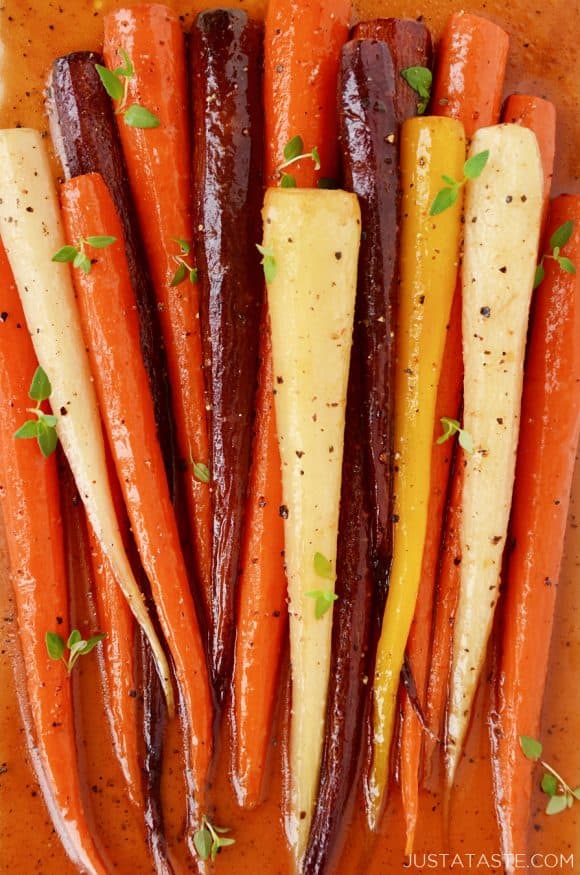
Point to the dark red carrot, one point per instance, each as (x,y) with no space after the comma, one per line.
(31,511)
(227,189)
(84,133)
(159,169)
(307,41)
(112,338)
(550,424)
(410,45)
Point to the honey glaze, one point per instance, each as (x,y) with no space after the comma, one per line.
(543,60)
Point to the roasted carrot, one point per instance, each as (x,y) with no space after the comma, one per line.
(227,190)
(32,233)
(468,86)
(31,511)
(309,111)
(471,65)
(497,279)
(311,302)
(112,338)
(367,119)
(158,164)
(546,455)
(85,137)
(119,676)
(539,116)
(410,45)
(302,54)
(430,147)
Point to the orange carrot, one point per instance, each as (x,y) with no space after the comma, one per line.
(302,48)
(116,620)
(107,311)
(158,163)
(31,511)
(468,85)
(550,424)
(469,78)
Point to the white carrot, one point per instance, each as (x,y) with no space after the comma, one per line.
(31,230)
(311,241)
(502,225)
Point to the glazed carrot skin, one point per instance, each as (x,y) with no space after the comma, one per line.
(472,58)
(540,116)
(84,133)
(31,511)
(410,45)
(369,160)
(302,57)
(227,191)
(158,165)
(546,456)
(309,100)
(112,337)
(468,86)
(116,620)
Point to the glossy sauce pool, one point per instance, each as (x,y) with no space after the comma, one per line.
(544,60)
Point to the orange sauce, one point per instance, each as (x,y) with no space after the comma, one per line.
(543,60)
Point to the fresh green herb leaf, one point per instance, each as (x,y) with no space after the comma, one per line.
(208,840)
(65,253)
(474,166)
(531,748)
(466,441)
(48,419)
(561,235)
(293,148)
(92,642)
(323,566)
(77,647)
(559,238)
(201,472)
(28,430)
(327,182)
(556,805)
(451,427)
(566,265)
(78,259)
(73,638)
(443,200)
(268,262)
(316,158)
(139,117)
(576,793)
(54,645)
(549,784)
(47,439)
(287,181)
(111,82)
(40,388)
(193,275)
(323,601)
(448,196)
(539,275)
(420,79)
(100,241)
(203,842)
(184,245)
(128,70)
(179,275)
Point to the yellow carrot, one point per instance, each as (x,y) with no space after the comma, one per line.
(430,148)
